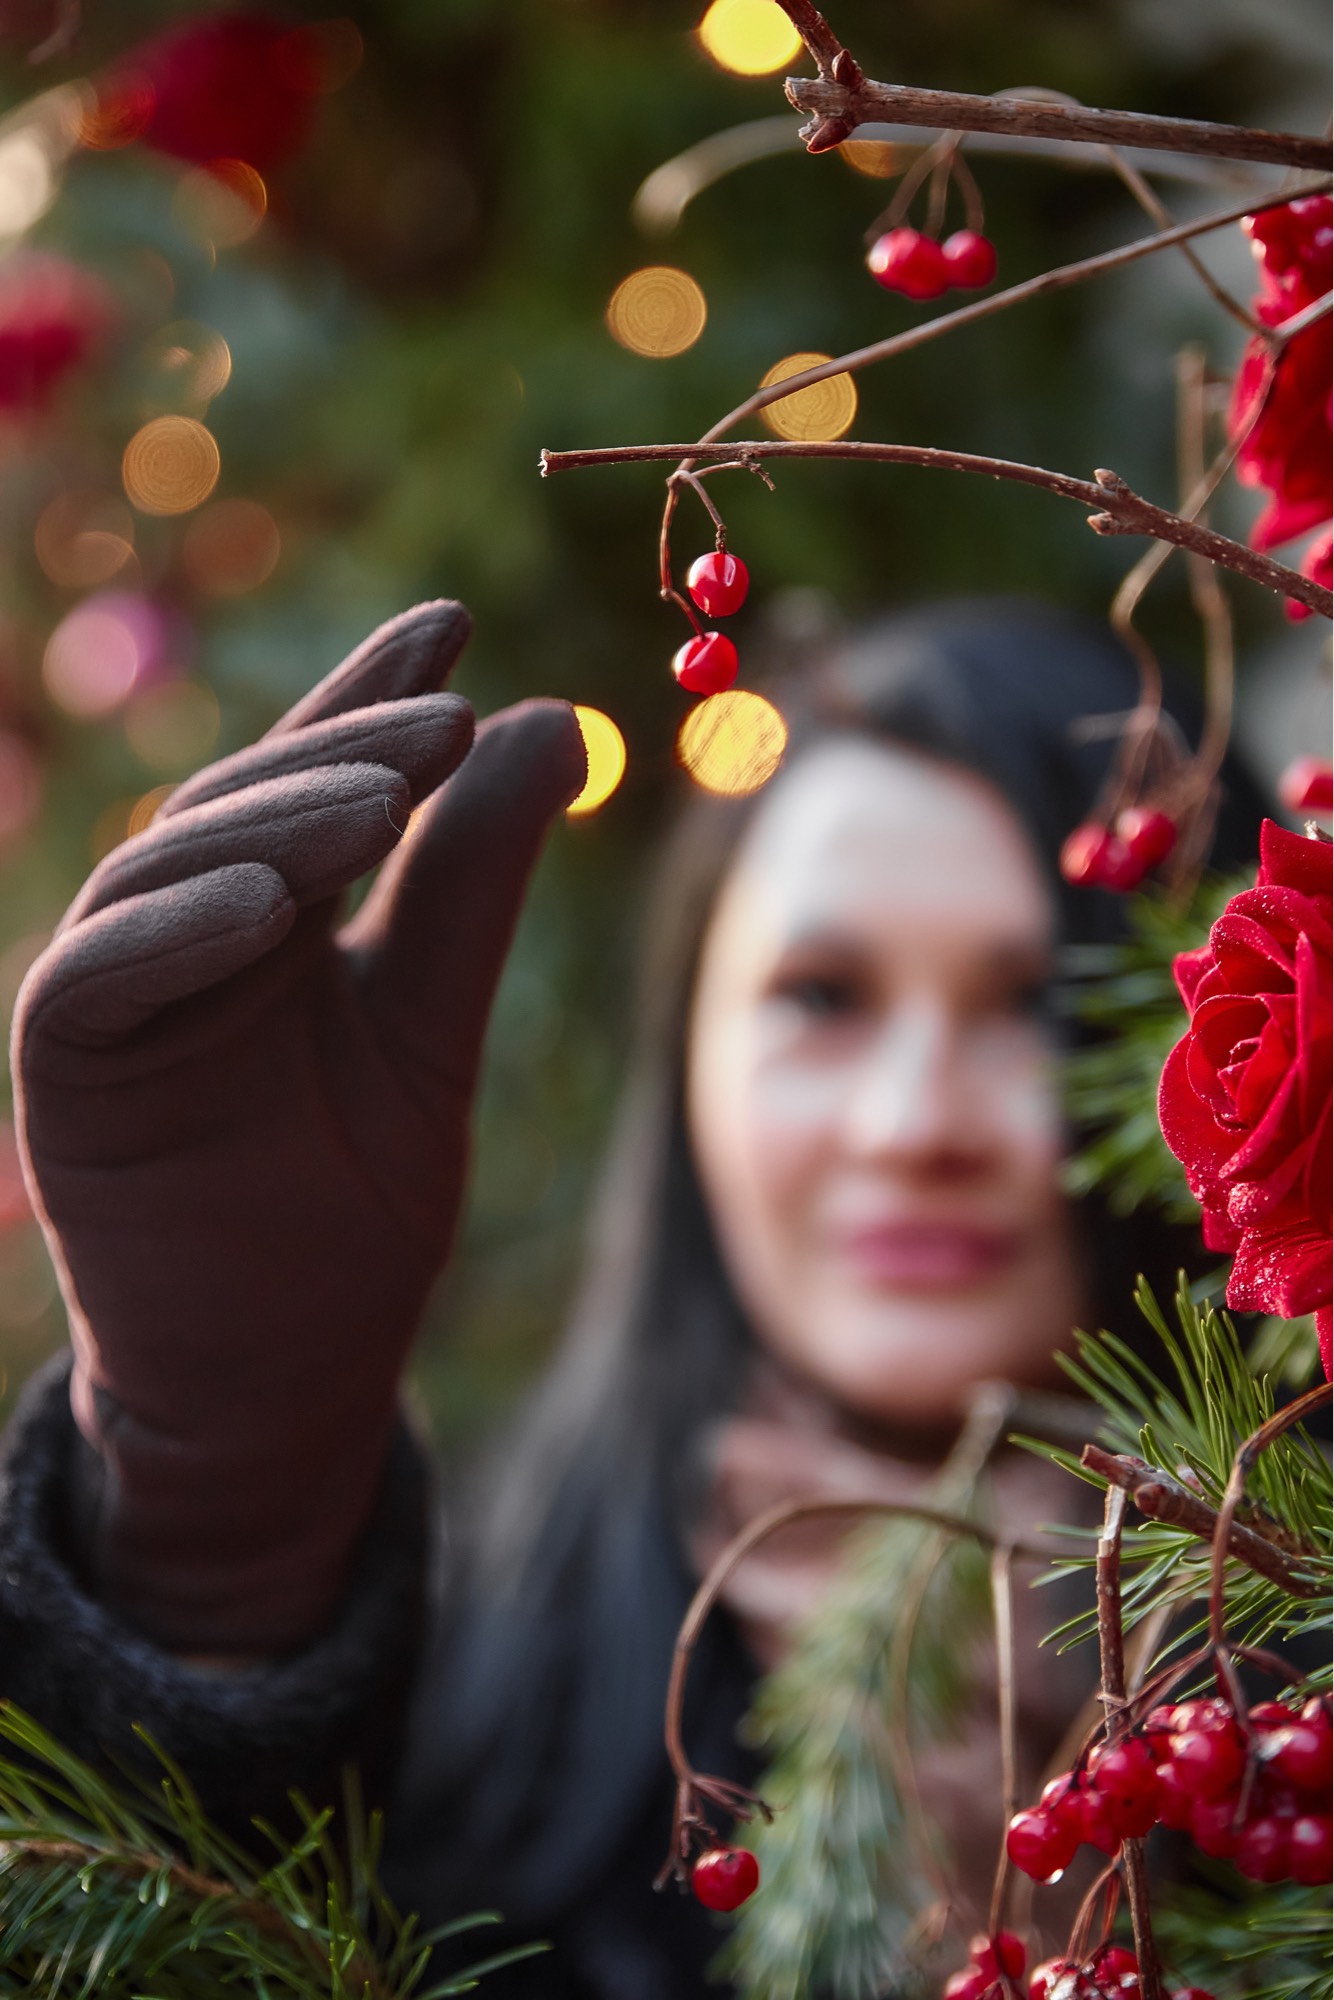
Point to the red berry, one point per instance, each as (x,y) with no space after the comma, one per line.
(1303,1752)
(1115,1973)
(1040,1844)
(1209,1762)
(718,583)
(1262,1849)
(1060,1798)
(1093,858)
(1212,1829)
(1004,1954)
(1096,1824)
(724,1877)
(1126,1778)
(1175,1802)
(1311,1849)
(970,1984)
(1265,1714)
(707,664)
(1149,835)
(970,259)
(1307,785)
(1043,1977)
(903,260)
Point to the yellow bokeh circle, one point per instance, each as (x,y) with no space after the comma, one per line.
(605,747)
(825,410)
(749,37)
(170,466)
(732,743)
(658,311)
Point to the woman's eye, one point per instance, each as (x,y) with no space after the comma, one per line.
(823,998)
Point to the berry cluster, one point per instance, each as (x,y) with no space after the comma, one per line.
(718,584)
(723,1878)
(996,1965)
(909,261)
(1259,1798)
(1100,857)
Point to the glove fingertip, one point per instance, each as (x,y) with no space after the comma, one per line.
(411,653)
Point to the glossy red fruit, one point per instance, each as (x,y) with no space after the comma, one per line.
(1175,1802)
(718,583)
(1043,1977)
(1150,835)
(1040,1844)
(1270,1714)
(1004,1953)
(706,664)
(1096,1824)
(1307,785)
(1212,1829)
(724,1877)
(1092,857)
(1311,1849)
(903,260)
(970,259)
(1126,1777)
(970,1984)
(1262,1849)
(1304,1753)
(1209,1762)
(1060,1798)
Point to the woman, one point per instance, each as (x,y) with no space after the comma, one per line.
(831,1211)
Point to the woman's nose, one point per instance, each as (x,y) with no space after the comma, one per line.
(911,1102)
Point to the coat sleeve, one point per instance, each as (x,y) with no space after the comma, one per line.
(245,1738)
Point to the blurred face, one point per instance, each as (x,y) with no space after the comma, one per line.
(869,1090)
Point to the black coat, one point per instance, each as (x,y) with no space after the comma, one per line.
(375,1690)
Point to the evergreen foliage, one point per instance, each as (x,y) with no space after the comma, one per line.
(127,1892)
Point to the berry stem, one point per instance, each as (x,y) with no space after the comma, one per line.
(1002,1610)
(1111,1648)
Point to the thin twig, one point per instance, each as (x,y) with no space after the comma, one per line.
(1002,1608)
(1111,1649)
(1120,511)
(1162,1498)
(842,98)
(1148,200)
(1247,1453)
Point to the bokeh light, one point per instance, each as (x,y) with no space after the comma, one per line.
(605,746)
(658,311)
(230,547)
(732,743)
(173,727)
(188,365)
(222,203)
(749,37)
(27,180)
(115,113)
(146,808)
(878,159)
(825,410)
(84,538)
(170,465)
(101,651)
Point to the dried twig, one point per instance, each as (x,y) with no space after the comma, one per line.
(1224,1526)
(1111,1648)
(842,97)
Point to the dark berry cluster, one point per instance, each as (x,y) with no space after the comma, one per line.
(717,583)
(907,260)
(1101,857)
(1258,1797)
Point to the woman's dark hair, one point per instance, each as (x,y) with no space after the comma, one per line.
(561,1627)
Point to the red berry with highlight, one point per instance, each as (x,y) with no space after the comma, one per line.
(1039,1844)
(1262,1849)
(1096,1822)
(1311,1849)
(970,1984)
(1212,1828)
(706,664)
(725,1877)
(903,260)
(1175,1802)
(1149,835)
(1094,858)
(1005,1953)
(1307,786)
(970,259)
(1209,1762)
(1126,1777)
(1043,1977)
(718,583)
(1303,1753)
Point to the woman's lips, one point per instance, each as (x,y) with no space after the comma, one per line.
(927,1256)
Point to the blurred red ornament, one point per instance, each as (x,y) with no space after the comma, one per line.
(1281,407)
(1307,785)
(53,317)
(230,86)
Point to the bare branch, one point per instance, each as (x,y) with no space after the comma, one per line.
(1111,1647)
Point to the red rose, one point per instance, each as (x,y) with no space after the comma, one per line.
(1245,1095)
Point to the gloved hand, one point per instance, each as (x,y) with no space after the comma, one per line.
(246,1130)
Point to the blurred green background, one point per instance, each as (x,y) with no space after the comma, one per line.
(421,311)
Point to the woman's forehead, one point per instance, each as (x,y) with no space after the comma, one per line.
(857,829)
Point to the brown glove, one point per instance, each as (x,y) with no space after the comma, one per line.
(246,1130)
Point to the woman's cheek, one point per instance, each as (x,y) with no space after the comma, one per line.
(1019,1083)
